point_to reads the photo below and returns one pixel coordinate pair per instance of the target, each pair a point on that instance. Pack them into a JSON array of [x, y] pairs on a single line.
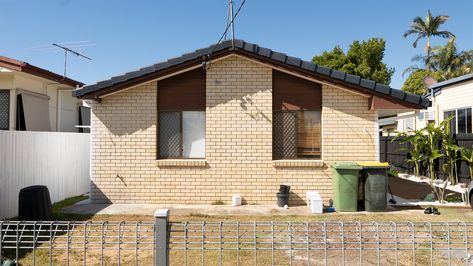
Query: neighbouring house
[[231, 119], [35, 99], [453, 97]]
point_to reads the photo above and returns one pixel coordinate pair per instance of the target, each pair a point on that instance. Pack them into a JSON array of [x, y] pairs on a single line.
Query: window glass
[[308, 134], [193, 134], [296, 134], [453, 122], [4, 109], [170, 135], [284, 135], [468, 120], [461, 121]]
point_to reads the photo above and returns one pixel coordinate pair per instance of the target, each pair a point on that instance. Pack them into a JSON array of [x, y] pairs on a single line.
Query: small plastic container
[[236, 200], [309, 195], [316, 204]]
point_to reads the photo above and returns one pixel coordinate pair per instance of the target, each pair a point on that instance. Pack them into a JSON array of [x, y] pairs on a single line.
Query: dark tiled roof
[[254, 49]]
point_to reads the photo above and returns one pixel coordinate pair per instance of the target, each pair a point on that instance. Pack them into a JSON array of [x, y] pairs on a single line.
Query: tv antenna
[[68, 50], [230, 22]]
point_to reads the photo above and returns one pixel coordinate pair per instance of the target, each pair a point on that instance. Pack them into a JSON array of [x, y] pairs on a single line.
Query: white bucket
[[236, 200]]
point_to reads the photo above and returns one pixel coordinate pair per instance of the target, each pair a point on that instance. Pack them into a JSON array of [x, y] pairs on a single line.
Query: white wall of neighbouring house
[[453, 97], [63, 108]]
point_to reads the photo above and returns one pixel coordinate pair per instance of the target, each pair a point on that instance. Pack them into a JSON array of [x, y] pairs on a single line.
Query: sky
[[121, 36]]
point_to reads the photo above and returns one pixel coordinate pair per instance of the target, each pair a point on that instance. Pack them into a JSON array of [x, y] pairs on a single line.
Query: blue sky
[[122, 36]]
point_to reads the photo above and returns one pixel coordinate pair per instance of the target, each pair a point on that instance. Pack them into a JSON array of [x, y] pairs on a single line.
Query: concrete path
[[85, 208]]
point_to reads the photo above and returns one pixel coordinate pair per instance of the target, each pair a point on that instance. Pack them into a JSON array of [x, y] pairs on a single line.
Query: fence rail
[[236, 243], [58, 160], [394, 152]]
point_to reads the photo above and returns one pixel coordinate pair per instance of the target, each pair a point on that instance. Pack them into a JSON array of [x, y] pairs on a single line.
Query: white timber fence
[[58, 160]]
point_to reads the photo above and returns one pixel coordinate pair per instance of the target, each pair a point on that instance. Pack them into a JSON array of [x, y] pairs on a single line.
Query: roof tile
[[265, 52], [338, 74], [368, 84], [382, 88], [353, 79]]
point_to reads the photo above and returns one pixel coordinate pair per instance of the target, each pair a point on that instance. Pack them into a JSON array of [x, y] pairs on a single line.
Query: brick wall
[[238, 143]]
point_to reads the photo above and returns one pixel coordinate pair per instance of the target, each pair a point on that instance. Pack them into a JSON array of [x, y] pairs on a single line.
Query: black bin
[[34, 204]]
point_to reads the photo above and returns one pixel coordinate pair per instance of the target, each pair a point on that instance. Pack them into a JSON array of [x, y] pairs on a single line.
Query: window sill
[[298, 163], [181, 163]]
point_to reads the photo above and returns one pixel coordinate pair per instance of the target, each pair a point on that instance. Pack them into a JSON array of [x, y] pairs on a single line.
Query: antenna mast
[[230, 20], [67, 50]]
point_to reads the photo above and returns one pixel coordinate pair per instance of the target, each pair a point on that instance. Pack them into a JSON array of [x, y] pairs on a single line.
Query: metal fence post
[[161, 236]]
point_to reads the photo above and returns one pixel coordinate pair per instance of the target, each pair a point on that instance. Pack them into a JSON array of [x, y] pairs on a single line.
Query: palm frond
[[444, 34], [414, 44]]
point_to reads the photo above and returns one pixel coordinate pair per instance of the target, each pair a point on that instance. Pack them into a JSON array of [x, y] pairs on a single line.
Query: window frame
[[181, 136], [7, 92], [319, 157], [469, 124]]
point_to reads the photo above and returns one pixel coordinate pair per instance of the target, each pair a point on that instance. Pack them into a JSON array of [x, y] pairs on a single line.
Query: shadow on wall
[[295, 200], [97, 196]]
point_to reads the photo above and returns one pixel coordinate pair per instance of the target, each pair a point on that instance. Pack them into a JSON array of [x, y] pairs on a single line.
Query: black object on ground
[[428, 210], [283, 199], [284, 189], [34, 204]]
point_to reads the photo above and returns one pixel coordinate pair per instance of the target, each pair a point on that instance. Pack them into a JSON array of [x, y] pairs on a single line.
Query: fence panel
[[58, 160], [396, 154], [236, 243]]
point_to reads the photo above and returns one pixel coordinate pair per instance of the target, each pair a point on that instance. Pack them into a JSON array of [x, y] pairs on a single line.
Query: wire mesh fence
[[77, 243], [320, 243], [236, 243]]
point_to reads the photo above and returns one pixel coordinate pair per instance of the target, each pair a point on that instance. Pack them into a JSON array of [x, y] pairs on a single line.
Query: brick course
[[238, 143]]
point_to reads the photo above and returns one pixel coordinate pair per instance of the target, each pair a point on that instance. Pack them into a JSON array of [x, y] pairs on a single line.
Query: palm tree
[[451, 63], [426, 29]]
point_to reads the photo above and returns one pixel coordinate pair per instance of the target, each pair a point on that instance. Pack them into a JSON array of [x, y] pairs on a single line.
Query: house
[[453, 97], [35, 99], [231, 119]]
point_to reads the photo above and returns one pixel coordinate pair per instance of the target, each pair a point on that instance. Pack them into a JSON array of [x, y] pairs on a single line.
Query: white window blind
[[193, 134], [36, 111]]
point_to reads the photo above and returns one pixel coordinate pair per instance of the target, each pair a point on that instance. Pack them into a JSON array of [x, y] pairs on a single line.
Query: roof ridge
[[254, 49]]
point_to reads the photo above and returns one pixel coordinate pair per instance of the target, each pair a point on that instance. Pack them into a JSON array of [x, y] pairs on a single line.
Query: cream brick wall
[[238, 143]]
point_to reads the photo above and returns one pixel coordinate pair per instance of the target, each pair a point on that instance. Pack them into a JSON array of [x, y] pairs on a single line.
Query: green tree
[[449, 62], [414, 83], [430, 27], [445, 59], [364, 59]]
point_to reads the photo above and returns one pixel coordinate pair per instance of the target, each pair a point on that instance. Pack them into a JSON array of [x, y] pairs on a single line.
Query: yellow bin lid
[[373, 164]]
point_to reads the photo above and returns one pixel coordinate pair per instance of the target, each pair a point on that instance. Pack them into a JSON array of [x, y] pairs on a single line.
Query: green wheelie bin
[[345, 177], [375, 177]]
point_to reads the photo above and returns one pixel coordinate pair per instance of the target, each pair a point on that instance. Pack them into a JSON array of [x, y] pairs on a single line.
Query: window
[[181, 116], [461, 122], [32, 111], [296, 134], [296, 118], [182, 134], [4, 109]]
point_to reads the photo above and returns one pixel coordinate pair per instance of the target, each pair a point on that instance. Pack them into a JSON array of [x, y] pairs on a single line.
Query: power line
[[228, 26], [206, 59]]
